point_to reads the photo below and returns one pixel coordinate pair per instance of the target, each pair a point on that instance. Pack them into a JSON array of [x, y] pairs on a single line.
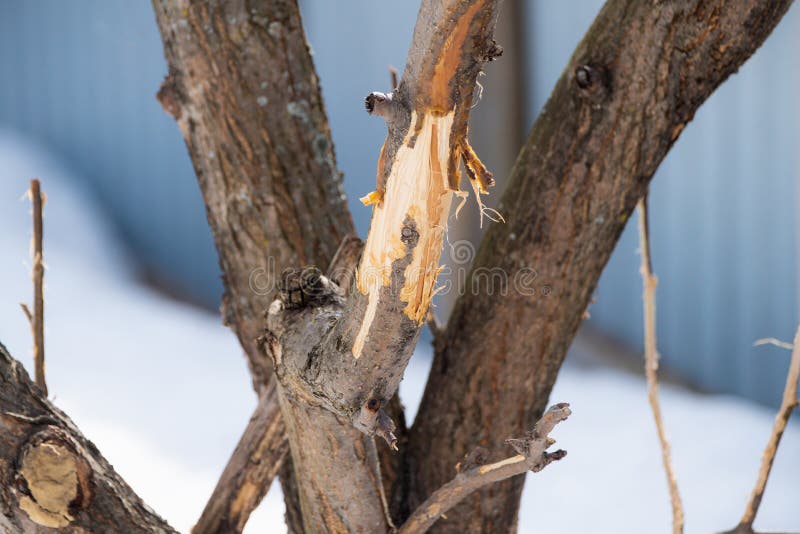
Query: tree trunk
[[243, 89], [53, 479], [635, 80]]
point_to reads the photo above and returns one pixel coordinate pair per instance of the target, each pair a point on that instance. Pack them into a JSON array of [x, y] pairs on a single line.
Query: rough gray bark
[[53, 479], [635, 80], [244, 92]]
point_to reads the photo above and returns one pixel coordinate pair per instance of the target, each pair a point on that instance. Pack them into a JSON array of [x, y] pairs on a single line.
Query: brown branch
[[240, 487], [243, 89], [36, 319], [51, 477], [532, 456], [633, 83], [339, 359], [788, 404], [649, 283]]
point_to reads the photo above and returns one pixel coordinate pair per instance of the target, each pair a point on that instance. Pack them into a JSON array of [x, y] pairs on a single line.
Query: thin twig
[[533, 456], [36, 319], [649, 282], [773, 341], [789, 403], [393, 77]]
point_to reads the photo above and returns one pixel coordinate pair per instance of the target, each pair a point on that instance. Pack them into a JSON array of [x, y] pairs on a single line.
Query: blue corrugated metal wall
[[81, 78], [724, 218]]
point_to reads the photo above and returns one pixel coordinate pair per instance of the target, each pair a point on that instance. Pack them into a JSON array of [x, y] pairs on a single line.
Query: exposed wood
[[649, 283], [340, 360], [788, 404], [53, 479], [633, 83], [472, 474], [36, 318], [243, 89]]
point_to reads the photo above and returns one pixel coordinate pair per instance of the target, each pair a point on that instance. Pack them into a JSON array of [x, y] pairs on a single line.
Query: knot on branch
[[475, 458], [53, 481], [592, 82], [299, 288], [493, 51], [386, 105], [371, 419], [170, 96], [536, 442]]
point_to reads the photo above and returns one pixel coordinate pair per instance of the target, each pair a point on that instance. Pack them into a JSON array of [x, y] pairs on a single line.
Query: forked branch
[[649, 283], [472, 474], [788, 404]]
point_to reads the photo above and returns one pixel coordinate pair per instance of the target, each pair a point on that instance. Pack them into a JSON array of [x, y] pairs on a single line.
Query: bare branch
[[264, 159], [532, 456], [788, 404], [36, 319], [649, 282], [256, 459]]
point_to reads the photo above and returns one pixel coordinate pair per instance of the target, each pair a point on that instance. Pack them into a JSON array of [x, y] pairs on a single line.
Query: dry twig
[[649, 282], [36, 319], [472, 475], [789, 403]]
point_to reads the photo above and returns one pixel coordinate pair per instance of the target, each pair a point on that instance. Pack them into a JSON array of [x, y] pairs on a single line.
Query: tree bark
[[53, 479], [633, 83], [244, 92], [242, 484], [338, 359]]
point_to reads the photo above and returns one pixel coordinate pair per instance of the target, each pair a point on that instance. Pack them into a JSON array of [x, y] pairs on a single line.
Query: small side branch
[[36, 319], [789, 403], [533, 456], [650, 282]]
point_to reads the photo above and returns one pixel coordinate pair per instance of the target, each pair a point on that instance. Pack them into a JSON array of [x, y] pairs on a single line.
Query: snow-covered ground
[[163, 390]]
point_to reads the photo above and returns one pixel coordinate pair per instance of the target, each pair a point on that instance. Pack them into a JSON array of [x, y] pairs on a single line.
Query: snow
[[163, 390]]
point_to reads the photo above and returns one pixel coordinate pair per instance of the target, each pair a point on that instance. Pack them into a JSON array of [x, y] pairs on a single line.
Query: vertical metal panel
[[81, 78], [724, 218]]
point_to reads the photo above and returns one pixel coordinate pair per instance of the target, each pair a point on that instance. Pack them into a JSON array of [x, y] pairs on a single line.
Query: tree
[[327, 360]]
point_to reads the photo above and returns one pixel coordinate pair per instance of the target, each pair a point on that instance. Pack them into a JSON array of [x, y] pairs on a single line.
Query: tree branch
[[634, 82], [51, 477], [788, 404], [244, 92], [256, 459], [649, 283], [36, 319], [340, 360], [532, 456]]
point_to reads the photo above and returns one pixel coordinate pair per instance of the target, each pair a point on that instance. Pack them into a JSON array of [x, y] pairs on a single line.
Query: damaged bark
[[635, 80], [340, 360], [53, 479]]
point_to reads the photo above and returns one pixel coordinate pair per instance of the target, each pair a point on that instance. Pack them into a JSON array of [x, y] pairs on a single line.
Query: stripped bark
[[53, 479], [633, 83], [340, 360], [244, 92]]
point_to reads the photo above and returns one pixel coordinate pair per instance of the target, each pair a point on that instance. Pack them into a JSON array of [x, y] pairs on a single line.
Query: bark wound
[[52, 482], [417, 189]]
